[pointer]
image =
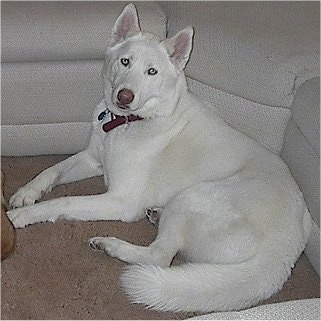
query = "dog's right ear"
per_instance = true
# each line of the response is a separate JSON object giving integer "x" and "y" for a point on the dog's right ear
{"x": 126, "y": 25}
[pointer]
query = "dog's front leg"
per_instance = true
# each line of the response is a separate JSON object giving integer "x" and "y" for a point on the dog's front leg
{"x": 74, "y": 168}
{"x": 81, "y": 208}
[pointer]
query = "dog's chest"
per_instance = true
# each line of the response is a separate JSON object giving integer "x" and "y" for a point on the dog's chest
{"x": 112, "y": 135}
{"x": 122, "y": 143}
{"x": 124, "y": 148}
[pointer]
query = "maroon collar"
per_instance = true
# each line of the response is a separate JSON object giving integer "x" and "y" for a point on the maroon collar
{"x": 119, "y": 120}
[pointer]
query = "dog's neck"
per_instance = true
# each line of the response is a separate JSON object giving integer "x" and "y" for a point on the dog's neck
{"x": 119, "y": 120}
{"x": 115, "y": 120}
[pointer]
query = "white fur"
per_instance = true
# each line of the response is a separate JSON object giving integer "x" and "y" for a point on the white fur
{"x": 230, "y": 207}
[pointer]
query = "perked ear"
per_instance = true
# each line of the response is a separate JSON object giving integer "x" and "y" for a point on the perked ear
{"x": 126, "y": 25}
{"x": 179, "y": 47}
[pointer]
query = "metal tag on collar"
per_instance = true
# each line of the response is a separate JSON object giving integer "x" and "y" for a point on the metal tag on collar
{"x": 102, "y": 115}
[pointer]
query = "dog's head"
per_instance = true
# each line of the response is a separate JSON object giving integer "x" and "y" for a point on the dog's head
{"x": 143, "y": 75}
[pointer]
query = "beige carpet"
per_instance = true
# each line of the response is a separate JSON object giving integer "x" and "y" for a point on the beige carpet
{"x": 53, "y": 273}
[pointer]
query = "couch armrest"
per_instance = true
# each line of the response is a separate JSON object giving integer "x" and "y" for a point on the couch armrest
{"x": 301, "y": 152}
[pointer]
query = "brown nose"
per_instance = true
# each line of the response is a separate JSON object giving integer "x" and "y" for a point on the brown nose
{"x": 125, "y": 96}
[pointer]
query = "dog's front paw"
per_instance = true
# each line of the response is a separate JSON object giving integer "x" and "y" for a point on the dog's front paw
{"x": 25, "y": 196}
{"x": 19, "y": 217}
{"x": 24, "y": 216}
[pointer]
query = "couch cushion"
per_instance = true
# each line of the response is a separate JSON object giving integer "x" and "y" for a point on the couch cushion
{"x": 50, "y": 92}
{"x": 306, "y": 112}
{"x": 304, "y": 164}
{"x": 66, "y": 30}
{"x": 259, "y": 50}
{"x": 306, "y": 309}
{"x": 301, "y": 147}
{"x": 261, "y": 122}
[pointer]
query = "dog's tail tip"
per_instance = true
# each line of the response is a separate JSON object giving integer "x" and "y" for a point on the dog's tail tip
{"x": 201, "y": 287}
{"x": 172, "y": 289}
{"x": 143, "y": 284}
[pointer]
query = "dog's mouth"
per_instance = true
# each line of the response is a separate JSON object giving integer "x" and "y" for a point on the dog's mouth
{"x": 128, "y": 109}
{"x": 122, "y": 106}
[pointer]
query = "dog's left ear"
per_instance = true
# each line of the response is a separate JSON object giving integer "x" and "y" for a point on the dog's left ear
{"x": 126, "y": 25}
{"x": 179, "y": 47}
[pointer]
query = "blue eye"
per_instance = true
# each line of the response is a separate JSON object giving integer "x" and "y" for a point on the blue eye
{"x": 152, "y": 71}
{"x": 124, "y": 61}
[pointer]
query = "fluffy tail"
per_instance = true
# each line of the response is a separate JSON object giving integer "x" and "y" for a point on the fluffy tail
{"x": 206, "y": 287}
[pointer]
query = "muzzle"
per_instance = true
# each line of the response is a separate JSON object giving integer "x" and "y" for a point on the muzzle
{"x": 124, "y": 98}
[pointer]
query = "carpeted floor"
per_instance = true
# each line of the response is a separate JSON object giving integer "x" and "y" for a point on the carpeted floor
{"x": 53, "y": 273}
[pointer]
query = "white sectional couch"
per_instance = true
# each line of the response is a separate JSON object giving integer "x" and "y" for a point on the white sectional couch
{"x": 257, "y": 62}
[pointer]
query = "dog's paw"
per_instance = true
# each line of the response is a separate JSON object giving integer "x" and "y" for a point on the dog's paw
{"x": 97, "y": 243}
{"x": 19, "y": 217}
{"x": 24, "y": 216}
{"x": 153, "y": 214}
{"x": 25, "y": 196}
{"x": 109, "y": 245}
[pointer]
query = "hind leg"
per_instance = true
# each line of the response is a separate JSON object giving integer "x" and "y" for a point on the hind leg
{"x": 154, "y": 254}
{"x": 160, "y": 252}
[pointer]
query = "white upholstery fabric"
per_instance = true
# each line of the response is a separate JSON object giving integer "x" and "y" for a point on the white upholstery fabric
{"x": 50, "y": 92}
{"x": 312, "y": 250}
{"x": 66, "y": 30}
{"x": 306, "y": 112}
{"x": 301, "y": 152}
{"x": 300, "y": 157}
{"x": 301, "y": 149}
{"x": 308, "y": 309}
{"x": 259, "y": 50}
{"x": 304, "y": 164}
{"x": 263, "y": 123}
{"x": 44, "y": 139}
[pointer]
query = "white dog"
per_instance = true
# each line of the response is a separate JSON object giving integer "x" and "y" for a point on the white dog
{"x": 229, "y": 206}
